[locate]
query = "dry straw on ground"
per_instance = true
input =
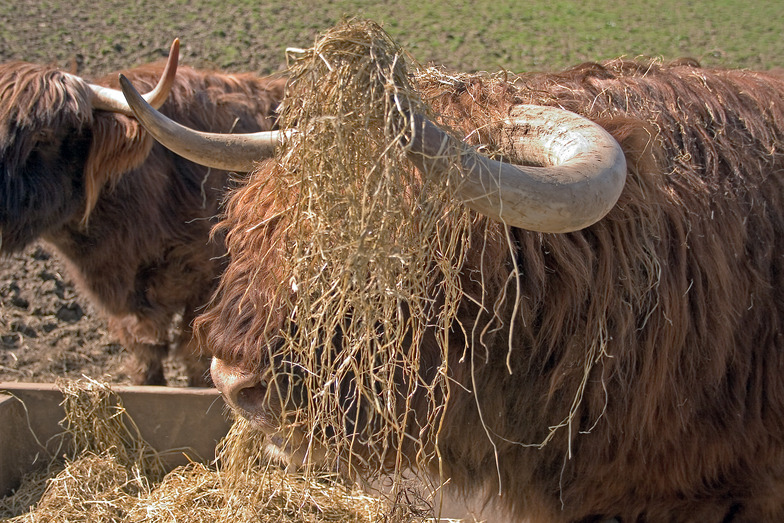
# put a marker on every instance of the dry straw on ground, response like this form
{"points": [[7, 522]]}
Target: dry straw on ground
{"points": [[112, 475]]}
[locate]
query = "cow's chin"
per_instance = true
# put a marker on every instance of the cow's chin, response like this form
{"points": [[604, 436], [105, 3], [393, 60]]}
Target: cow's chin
{"points": [[290, 447]]}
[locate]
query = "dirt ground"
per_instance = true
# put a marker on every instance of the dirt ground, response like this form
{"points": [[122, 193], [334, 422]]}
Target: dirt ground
{"points": [[47, 330]]}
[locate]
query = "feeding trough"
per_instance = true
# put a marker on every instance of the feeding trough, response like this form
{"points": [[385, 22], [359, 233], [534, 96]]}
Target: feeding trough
{"points": [[190, 422]]}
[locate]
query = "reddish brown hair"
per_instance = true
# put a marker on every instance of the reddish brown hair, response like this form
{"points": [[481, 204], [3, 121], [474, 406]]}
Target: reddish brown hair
{"points": [[672, 301]]}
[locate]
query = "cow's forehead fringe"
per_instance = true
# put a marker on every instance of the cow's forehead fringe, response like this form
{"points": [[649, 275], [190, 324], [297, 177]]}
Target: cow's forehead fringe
{"points": [[34, 95]]}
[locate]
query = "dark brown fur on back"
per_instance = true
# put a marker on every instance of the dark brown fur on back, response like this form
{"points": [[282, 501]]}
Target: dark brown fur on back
{"points": [[130, 219], [675, 297]]}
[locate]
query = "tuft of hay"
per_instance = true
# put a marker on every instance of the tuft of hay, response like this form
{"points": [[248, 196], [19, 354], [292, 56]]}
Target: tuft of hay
{"points": [[374, 250], [29, 492], [114, 475], [94, 487], [107, 463], [97, 423]]}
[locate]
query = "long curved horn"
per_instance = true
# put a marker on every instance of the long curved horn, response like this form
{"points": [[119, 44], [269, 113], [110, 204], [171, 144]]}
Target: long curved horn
{"points": [[108, 99], [229, 152], [582, 175]]}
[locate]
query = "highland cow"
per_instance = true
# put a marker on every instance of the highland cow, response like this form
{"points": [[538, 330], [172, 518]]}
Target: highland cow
{"points": [[130, 219], [637, 372]]}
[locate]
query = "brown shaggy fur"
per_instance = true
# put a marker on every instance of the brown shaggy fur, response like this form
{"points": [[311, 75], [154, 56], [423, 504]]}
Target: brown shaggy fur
{"points": [[130, 218], [675, 298]]}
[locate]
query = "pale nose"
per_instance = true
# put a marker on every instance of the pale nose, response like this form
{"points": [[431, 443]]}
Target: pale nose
{"points": [[240, 389]]}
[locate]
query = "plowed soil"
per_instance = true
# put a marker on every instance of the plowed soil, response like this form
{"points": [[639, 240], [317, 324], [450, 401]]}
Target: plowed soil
{"points": [[47, 329]]}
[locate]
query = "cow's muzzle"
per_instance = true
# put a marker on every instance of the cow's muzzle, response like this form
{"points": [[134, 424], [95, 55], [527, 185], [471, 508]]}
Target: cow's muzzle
{"points": [[249, 394], [244, 391]]}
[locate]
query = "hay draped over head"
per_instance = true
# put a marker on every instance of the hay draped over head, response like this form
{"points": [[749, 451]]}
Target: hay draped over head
{"points": [[374, 248]]}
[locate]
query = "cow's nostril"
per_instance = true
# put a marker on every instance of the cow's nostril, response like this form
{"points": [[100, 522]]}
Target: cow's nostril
{"points": [[250, 399]]}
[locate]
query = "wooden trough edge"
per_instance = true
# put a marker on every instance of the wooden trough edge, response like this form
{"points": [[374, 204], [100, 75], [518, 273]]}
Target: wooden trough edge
{"points": [[189, 422]]}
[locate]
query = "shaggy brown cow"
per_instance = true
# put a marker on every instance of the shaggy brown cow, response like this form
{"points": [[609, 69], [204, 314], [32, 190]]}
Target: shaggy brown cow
{"points": [[673, 301], [130, 219]]}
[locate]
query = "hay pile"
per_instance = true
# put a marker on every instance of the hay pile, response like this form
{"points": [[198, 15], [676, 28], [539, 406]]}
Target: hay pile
{"points": [[374, 250], [111, 474]]}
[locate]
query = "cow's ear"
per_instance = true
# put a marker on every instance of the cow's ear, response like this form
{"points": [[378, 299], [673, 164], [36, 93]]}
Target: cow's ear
{"points": [[638, 139], [119, 145]]}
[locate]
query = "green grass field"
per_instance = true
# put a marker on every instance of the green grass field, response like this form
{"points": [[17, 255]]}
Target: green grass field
{"points": [[516, 35]]}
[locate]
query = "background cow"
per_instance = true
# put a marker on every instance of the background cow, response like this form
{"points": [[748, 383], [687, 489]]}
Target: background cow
{"points": [[647, 349], [130, 219]]}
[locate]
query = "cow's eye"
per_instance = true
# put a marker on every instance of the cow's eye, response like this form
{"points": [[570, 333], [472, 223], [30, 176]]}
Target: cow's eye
{"points": [[44, 135]]}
